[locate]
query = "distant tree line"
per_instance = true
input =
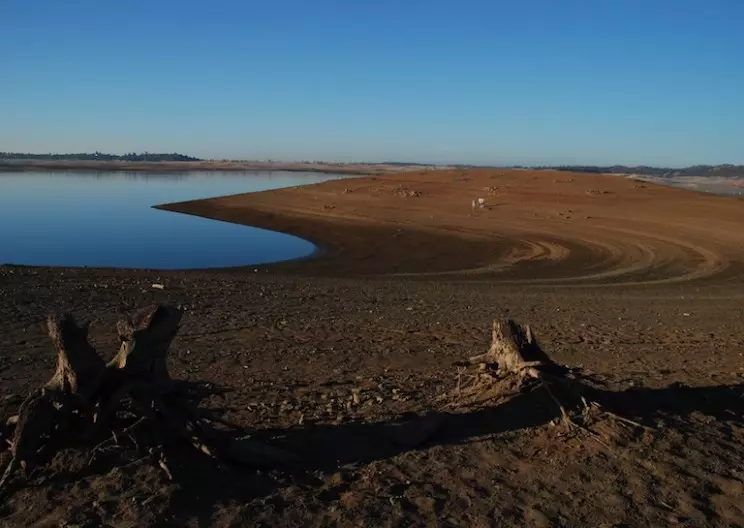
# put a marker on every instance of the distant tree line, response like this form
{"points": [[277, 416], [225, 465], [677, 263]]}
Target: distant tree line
{"points": [[724, 171], [617, 169], [416, 164], [98, 156]]}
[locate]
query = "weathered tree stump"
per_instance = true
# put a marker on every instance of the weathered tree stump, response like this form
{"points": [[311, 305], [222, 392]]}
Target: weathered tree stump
{"points": [[145, 339], [135, 381], [514, 348], [514, 364], [79, 367], [78, 373]]}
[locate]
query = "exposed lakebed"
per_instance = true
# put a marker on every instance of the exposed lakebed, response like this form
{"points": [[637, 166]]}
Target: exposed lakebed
{"points": [[107, 220]]}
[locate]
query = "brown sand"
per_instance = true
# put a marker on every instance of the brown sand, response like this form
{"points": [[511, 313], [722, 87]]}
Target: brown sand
{"points": [[645, 295], [536, 226]]}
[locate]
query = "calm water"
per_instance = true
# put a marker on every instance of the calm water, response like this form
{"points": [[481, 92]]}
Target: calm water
{"points": [[107, 220], [709, 184]]}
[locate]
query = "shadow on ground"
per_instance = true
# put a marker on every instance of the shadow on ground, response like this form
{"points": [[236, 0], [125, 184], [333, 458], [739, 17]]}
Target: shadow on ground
{"points": [[202, 486]]}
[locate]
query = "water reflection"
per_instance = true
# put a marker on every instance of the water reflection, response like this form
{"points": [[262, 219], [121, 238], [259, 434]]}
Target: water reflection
{"points": [[105, 219]]}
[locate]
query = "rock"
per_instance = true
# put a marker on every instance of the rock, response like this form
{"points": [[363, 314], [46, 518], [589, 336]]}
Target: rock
{"points": [[537, 518]]}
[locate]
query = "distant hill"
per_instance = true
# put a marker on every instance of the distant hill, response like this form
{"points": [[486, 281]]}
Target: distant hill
{"points": [[722, 171], [97, 156]]}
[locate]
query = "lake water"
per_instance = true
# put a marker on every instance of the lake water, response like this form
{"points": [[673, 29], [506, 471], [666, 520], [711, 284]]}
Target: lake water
{"points": [[709, 184], [107, 220]]}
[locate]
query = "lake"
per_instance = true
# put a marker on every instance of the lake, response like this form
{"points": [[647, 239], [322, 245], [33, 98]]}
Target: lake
{"points": [[107, 220], [709, 184]]}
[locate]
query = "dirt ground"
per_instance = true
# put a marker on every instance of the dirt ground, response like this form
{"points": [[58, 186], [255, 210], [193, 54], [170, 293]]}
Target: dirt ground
{"points": [[638, 285]]}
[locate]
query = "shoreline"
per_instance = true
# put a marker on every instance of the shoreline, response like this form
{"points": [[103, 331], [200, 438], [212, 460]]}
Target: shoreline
{"points": [[536, 227], [187, 166], [295, 342]]}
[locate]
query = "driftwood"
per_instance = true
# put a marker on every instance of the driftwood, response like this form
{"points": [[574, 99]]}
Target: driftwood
{"points": [[135, 382]]}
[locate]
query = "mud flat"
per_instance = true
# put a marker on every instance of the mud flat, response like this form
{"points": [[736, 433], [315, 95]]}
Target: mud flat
{"points": [[638, 286]]}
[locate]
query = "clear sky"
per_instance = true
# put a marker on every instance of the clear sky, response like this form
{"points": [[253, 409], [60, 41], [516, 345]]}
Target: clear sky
{"points": [[488, 82]]}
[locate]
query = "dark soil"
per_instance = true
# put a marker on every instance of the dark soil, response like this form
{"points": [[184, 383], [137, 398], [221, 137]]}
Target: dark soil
{"points": [[295, 349]]}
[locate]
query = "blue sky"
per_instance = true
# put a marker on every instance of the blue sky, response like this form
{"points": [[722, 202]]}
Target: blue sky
{"points": [[530, 82]]}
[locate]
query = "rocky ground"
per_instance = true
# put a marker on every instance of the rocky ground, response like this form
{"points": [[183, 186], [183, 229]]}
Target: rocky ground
{"points": [[297, 350]]}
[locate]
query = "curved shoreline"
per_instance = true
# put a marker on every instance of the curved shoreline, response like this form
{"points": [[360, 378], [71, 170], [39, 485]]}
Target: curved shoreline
{"points": [[288, 346], [537, 226]]}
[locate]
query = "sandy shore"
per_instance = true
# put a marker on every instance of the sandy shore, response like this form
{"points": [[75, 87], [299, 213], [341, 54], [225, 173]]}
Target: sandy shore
{"points": [[536, 226], [637, 286]]}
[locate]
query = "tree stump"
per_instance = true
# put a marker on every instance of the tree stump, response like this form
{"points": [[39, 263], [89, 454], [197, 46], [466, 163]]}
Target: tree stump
{"points": [[79, 367], [78, 373], [513, 348], [136, 381], [515, 363], [145, 339]]}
